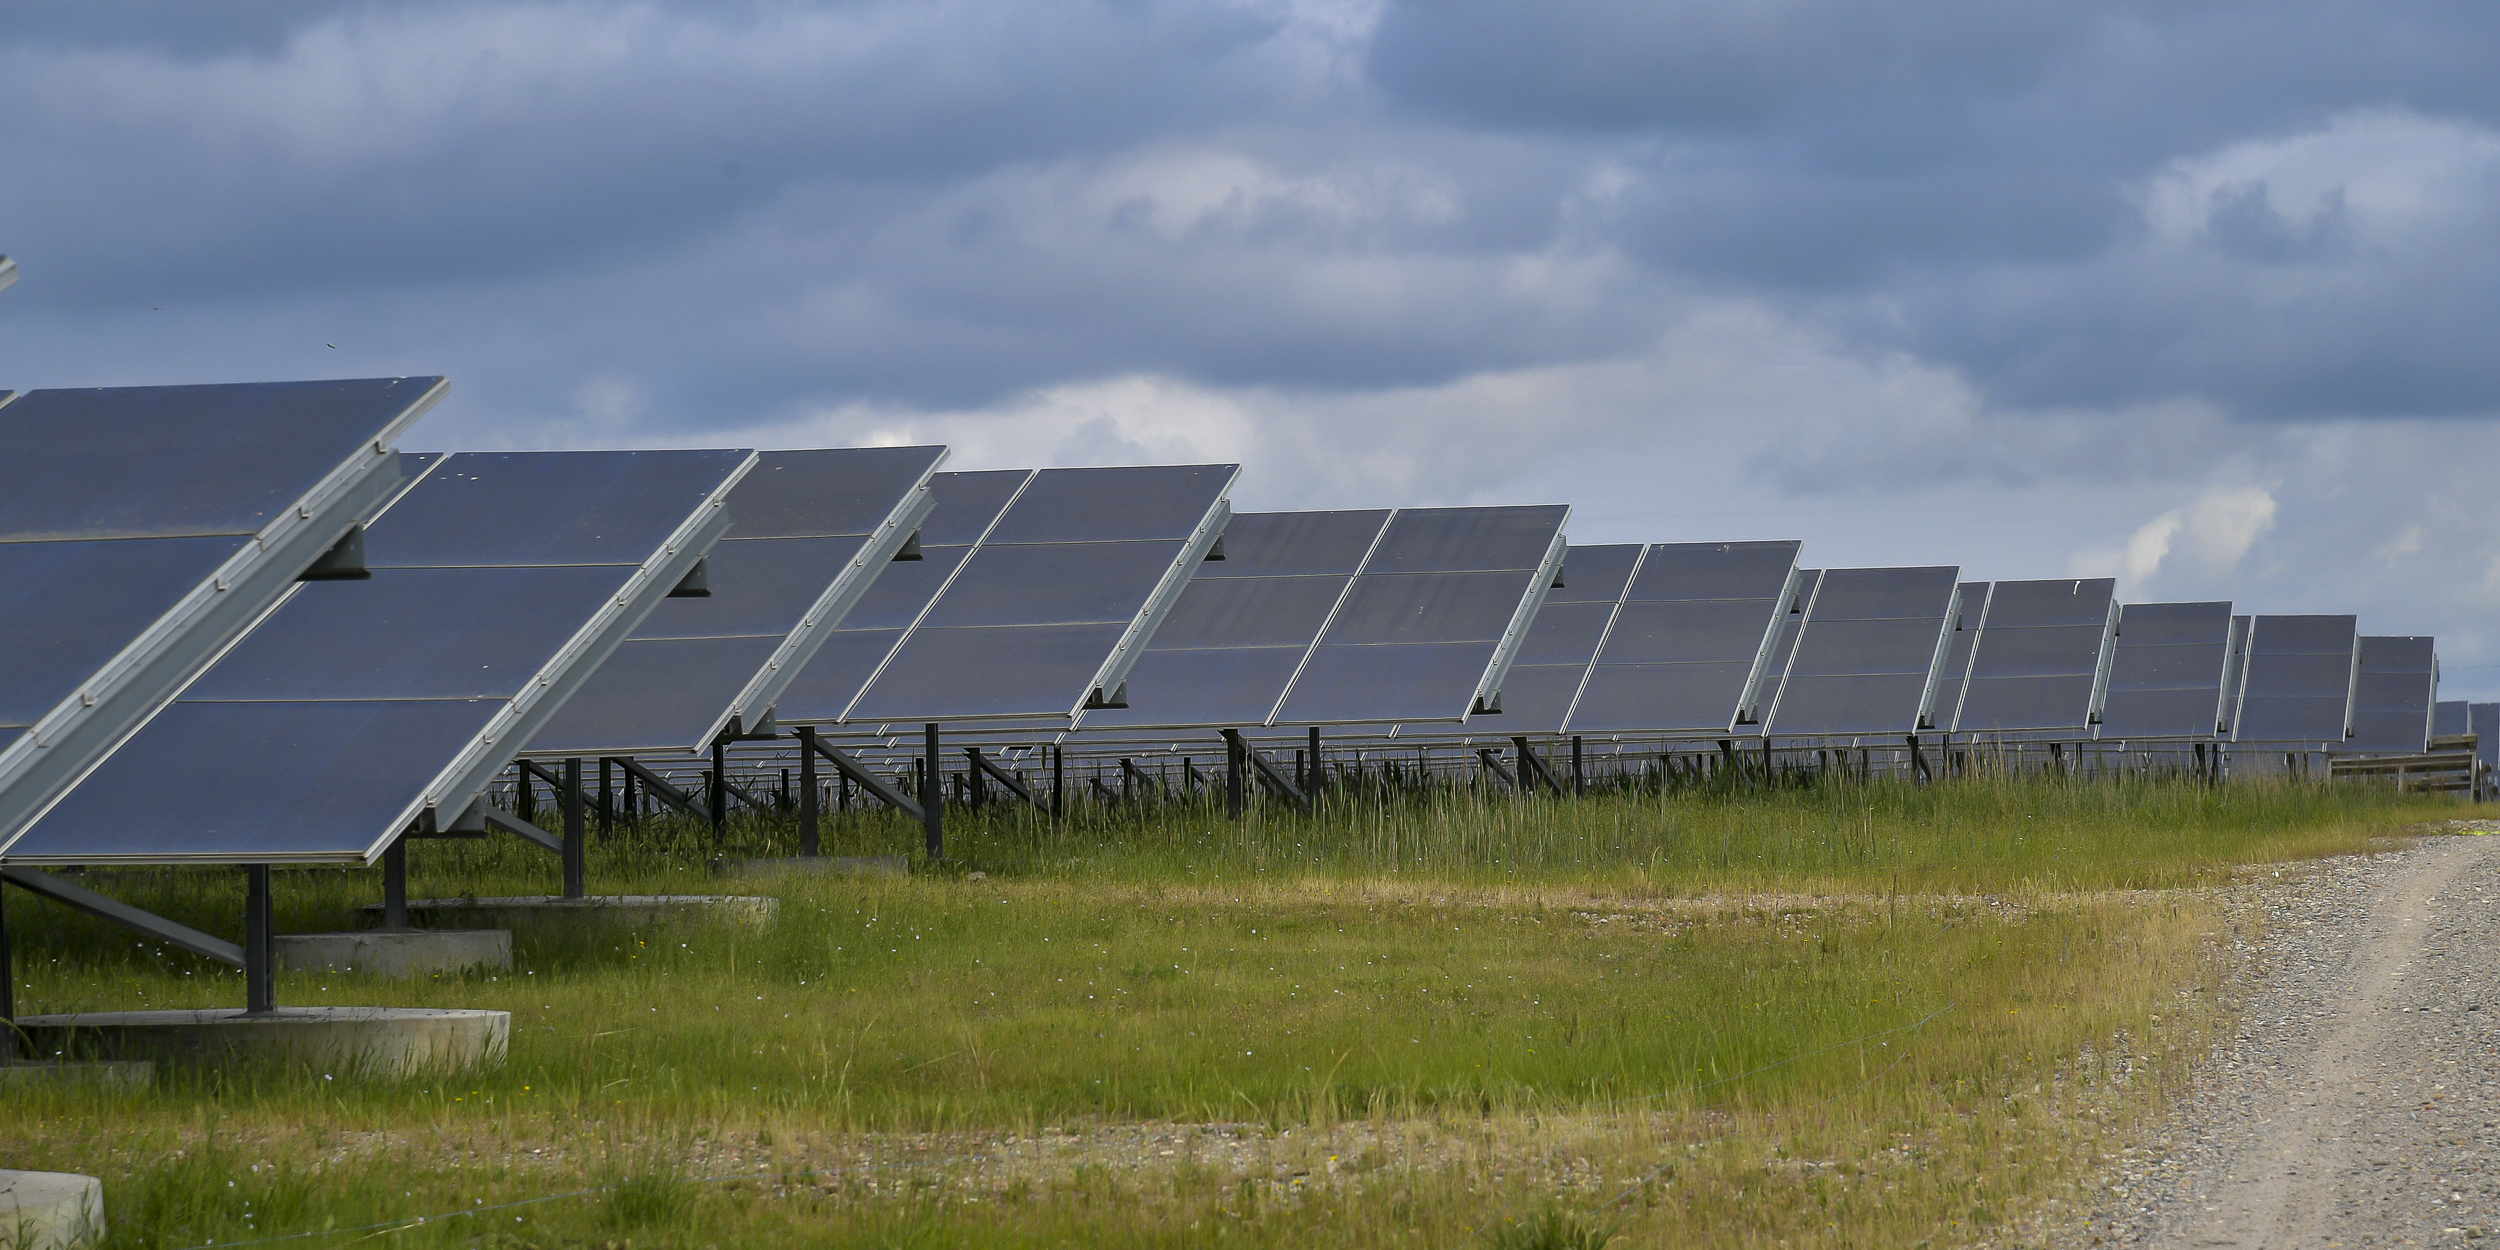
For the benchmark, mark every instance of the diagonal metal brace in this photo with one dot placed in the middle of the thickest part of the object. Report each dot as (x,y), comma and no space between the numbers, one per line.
(1493,762)
(124,914)
(659,786)
(1267,772)
(1533,764)
(1129,769)
(872,783)
(498,818)
(981,760)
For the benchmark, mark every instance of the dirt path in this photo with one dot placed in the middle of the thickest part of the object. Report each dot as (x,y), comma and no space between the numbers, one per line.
(2360,1103)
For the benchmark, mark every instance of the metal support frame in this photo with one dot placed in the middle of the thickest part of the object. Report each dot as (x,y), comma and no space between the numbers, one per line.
(1493,764)
(260,943)
(811,842)
(395,885)
(982,764)
(719,797)
(1236,796)
(1129,771)
(1058,783)
(932,798)
(496,818)
(1533,765)
(1579,774)
(576,858)
(656,786)
(147,924)
(607,798)
(8,987)
(1918,762)
(1266,771)
(1311,784)
(851,769)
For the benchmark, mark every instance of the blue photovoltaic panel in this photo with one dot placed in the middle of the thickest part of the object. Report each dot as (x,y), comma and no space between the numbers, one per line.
(2484,719)
(2451,718)
(1057,601)
(963,507)
(1552,665)
(2037,663)
(810,534)
(2297,684)
(1957,653)
(2166,671)
(360,707)
(143,528)
(2396,683)
(1688,648)
(1244,624)
(1430,625)
(1866,657)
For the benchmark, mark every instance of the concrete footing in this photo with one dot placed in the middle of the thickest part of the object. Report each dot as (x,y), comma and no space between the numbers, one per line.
(824,865)
(50,1210)
(127,1077)
(396,952)
(514,913)
(377,1041)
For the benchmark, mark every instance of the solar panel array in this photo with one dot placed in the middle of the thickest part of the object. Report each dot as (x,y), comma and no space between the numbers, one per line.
(1550,675)
(362,706)
(1867,654)
(810,532)
(2395,684)
(1430,626)
(1688,651)
(2296,681)
(144,528)
(1957,655)
(2167,671)
(2039,659)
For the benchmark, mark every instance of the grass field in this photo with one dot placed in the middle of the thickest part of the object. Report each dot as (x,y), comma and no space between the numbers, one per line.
(1845,1014)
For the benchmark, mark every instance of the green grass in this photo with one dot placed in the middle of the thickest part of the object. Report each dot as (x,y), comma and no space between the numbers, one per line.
(1853,1014)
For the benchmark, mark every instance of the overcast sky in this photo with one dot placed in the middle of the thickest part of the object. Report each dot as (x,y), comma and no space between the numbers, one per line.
(2204,295)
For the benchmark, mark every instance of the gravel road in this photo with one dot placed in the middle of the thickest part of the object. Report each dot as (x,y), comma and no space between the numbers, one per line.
(2359,1104)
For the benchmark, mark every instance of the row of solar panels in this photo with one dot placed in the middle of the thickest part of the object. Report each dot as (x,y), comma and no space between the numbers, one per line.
(239,627)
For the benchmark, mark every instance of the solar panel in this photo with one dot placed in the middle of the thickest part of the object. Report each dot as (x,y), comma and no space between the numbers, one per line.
(2297,681)
(2484,723)
(2167,669)
(2040,658)
(2235,672)
(1050,607)
(1687,651)
(1867,653)
(1956,668)
(809,533)
(359,708)
(1552,663)
(2450,718)
(144,528)
(1244,624)
(1428,629)
(2395,684)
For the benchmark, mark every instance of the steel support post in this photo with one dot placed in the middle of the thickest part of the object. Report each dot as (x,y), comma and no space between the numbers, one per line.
(395,885)
(1058,783)
(524,796)
(1579,773)
(576,862)
(720,791)
(607,797)
(8,985)
(1236,796)
(932,793)
(809,836)
(1311,788)
(260,943)
(976,785)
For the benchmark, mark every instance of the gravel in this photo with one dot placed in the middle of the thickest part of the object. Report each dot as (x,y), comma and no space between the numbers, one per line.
(2359,1102)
